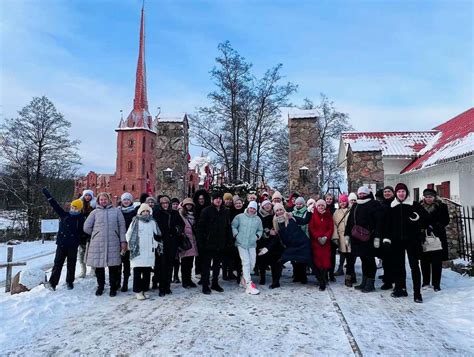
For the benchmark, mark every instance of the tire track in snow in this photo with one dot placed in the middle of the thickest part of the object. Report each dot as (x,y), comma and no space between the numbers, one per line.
(345,325)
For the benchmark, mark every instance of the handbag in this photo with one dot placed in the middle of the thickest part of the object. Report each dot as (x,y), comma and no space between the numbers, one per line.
(184,243)
(431,243)
(359,232)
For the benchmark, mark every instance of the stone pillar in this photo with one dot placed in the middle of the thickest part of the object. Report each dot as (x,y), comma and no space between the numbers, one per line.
(453,230)
(364,168)
(304,151)
(172,153)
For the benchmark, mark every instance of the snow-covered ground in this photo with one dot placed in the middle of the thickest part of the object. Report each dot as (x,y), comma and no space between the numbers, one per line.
(292,320)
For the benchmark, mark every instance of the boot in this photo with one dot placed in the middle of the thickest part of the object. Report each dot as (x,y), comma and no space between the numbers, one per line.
(124,284)
(369,286)
(99,291)
(340,269)
(362,284)
(216,287)
(417,298)
(386,286)
(276,273)
(348,281)
(353,278)
(332,277)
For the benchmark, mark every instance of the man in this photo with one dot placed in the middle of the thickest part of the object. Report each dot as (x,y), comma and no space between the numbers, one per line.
(214,235)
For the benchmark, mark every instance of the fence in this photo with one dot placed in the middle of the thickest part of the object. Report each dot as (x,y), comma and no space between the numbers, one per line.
(465,225)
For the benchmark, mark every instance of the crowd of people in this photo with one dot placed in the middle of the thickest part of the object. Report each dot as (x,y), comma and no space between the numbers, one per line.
(156,238)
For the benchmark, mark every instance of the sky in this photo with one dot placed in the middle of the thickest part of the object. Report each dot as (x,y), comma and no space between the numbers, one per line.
(391,65)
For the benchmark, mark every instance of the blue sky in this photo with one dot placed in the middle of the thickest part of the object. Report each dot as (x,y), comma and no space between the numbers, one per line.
(391,65)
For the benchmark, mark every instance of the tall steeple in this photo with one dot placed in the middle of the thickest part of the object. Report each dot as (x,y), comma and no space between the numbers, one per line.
(139,117)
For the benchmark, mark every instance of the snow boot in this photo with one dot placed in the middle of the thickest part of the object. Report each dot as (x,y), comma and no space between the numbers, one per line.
(124,285)
(216,287)
(399,293)
(386,286)
(112,292)
(417,298)
(99,291)
(362,284)
(140,296)
(206,290)
(262,277)
(70,286)
(369,286)
(348,281)
(252,289)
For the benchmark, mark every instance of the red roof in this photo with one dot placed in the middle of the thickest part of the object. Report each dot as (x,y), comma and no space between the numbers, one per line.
(455,139)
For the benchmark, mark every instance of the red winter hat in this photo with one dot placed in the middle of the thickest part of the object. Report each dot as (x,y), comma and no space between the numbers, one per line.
(343,198)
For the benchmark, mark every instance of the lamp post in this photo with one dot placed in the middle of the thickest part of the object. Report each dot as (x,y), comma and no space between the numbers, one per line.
(304,173)
(168,175)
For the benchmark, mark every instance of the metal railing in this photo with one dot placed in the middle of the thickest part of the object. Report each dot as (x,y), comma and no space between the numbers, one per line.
(465,225)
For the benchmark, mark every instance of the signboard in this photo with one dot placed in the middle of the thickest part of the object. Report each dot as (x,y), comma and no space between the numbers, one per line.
(49,225)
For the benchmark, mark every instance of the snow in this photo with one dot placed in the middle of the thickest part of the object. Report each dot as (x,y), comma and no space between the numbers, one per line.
(198,163)
(452,149)
(358,146)
(297,113)
(293,320)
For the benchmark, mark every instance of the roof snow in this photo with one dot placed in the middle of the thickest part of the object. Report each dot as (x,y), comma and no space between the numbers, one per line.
(179,118)
(405,144)
(297,113)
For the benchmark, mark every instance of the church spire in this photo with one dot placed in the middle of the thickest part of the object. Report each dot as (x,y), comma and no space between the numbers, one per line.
(139,117)
(141,102)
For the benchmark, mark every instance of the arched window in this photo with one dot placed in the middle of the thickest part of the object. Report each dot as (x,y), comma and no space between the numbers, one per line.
(129,166)
(133,187)
(143,166)
(124,188)
(143,144)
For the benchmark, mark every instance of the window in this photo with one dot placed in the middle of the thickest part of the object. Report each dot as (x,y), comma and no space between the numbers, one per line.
(130,143)
(416,194)
(133,187)
(124,188)
(151,167)
(444,190)
(430,186)
(143,166)
(129,166)
(143,145)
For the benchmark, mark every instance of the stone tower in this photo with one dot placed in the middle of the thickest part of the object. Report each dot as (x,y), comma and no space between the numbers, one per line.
(135,171)
(304,153)
(172,158)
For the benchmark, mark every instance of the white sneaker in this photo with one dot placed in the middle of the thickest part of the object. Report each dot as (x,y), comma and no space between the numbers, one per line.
(140,296)
(146,295)
(252,289)
(243,283)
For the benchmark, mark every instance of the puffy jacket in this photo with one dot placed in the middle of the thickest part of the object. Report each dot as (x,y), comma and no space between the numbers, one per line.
(106,226)
(214,230)
(247,229)
(147,244)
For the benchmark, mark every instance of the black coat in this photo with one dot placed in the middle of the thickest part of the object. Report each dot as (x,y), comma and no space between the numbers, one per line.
(367,213)
(207,202)
(171,226)
(128,216)
(70,226)
(296,244)
(436,221)
(214,231)
(404,222)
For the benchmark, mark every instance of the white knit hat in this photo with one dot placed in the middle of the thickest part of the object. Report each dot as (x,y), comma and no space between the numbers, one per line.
(363,189)
(352,196)
(126,196)
(253,205)
(144,207)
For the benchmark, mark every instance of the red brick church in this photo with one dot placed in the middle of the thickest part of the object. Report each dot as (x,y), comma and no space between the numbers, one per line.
(136,135)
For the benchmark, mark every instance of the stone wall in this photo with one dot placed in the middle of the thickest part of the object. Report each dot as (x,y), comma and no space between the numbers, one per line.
(172,152)
(453,231)
(304,151)
(364,168)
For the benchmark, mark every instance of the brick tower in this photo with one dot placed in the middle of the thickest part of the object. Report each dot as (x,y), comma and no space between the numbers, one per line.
(135,170)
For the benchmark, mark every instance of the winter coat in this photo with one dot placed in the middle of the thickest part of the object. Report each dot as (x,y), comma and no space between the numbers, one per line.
(106,226)
(214,232)
(234,212)
(366,213)
(86,211)
(189,230)
(147,244)
(70,226)
(436,219)
(404,223)
(171,226)
(267,224)
(301,213)
(321,225)
(247,229)
(340,218)
(297,246)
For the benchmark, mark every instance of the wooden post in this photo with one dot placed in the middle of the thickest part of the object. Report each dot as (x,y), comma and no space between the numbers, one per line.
(9,264)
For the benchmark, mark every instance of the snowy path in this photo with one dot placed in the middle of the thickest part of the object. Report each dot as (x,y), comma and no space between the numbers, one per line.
(293,320)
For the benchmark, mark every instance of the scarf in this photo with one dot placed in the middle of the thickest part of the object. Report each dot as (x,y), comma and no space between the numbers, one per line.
(264,213)
(134,243)
(128,209)
(429,208)
(280,219)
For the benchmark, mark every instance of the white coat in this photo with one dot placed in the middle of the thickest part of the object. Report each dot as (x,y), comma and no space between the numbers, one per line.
(147,244)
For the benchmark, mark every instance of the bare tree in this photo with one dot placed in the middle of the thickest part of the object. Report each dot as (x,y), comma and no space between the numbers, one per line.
(331,124)
(35,150)
(277,161)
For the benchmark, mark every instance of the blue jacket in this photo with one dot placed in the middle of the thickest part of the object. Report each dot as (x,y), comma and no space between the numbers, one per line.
(246,229)
(297,246)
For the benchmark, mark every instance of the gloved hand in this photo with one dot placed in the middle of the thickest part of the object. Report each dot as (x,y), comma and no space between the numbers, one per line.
(429,230)
(376,243)
(263,251)
(46,193)
(322,240)
(348,240)
(386,242)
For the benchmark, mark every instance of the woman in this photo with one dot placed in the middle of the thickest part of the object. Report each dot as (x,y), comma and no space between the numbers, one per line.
(171,226)
(403,228)
(265,212)
(300,210)
(88,204)
(187,257)
(437,219)
(141,240)
(231,259)
(297,246)
(247,229)
(106,226)
(321,228)
(340,217)
(201,199)
(129,212)
(366,217)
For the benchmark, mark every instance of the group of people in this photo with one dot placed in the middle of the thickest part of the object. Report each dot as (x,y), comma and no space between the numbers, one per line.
(241,237)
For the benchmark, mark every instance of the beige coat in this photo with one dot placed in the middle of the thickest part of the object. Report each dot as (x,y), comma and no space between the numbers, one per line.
(106,226)
(340,220)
